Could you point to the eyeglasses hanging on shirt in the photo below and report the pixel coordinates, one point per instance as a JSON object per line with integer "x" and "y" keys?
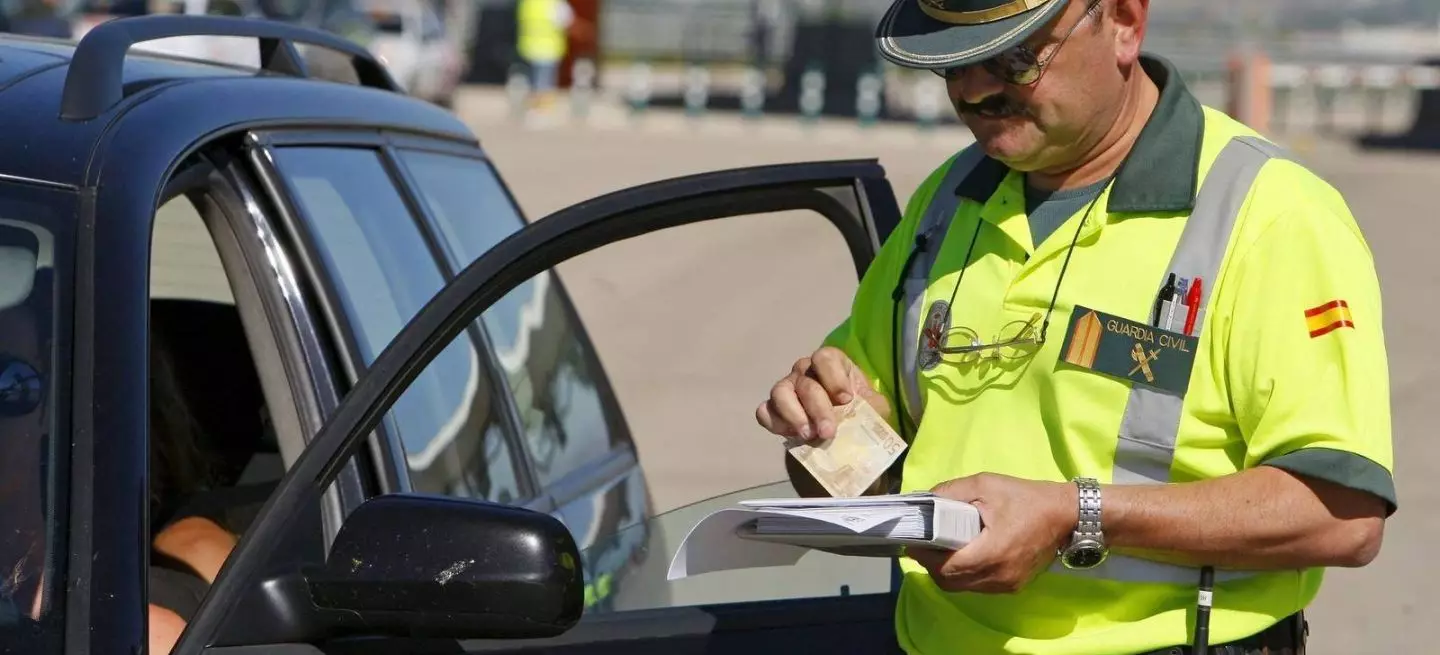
{"x": 1015, "y": 340}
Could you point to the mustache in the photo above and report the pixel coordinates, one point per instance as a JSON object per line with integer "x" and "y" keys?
{"x": 997, "y": 106}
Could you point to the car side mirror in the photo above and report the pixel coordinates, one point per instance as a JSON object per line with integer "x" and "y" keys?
{"x": 431, "y": 566}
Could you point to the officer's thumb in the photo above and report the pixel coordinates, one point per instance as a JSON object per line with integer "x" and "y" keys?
{"x": 877, "y": 400}
{"x": 963, "y": 489}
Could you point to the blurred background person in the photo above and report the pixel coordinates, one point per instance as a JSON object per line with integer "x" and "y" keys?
{"x": 544, "y": 27}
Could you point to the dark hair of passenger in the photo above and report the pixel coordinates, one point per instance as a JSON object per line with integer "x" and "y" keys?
{"x": 178, "y": 467}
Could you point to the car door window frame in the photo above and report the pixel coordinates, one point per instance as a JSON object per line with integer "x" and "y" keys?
{"x": 618, "y": 460}
{"x": 841, "y": 191}
{"x": 387, "y": 450}
{"x": 239, "y": 215}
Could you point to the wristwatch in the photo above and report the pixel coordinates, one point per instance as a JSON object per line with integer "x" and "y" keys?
{"x": 1087, "y": 548}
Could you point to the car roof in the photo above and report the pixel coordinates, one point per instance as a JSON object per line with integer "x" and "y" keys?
{"x": 168, "y": 103}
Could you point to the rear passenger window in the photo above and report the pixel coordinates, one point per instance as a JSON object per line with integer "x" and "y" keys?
{"x": 570, "y": 417}
{"x": 382, "y": 272}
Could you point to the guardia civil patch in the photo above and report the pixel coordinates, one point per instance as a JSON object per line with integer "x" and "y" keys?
{"x": 1130, "y": 350}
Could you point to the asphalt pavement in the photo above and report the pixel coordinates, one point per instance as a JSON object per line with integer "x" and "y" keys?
{"x": 694, "y": 324}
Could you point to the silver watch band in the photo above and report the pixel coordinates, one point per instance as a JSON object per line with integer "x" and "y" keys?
{"x": 1088, "y": 526}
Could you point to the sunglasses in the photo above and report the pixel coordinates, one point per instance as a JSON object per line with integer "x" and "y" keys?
{"x": 1019, "y": 65}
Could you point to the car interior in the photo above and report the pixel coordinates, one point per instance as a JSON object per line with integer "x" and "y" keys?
{"x": 224, "y": 355}
{"x": 206, "y": 312}
{"x": 194, "y": 314}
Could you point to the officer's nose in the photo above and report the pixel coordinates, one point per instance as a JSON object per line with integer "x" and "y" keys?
{"x": 973, "y": 84}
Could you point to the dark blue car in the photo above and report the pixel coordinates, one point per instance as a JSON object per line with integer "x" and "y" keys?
{"x": 377, "y": 382}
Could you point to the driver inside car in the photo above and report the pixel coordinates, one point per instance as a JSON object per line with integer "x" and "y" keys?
{"x": 187, "y": 547}
{"x": 23, "y": 424}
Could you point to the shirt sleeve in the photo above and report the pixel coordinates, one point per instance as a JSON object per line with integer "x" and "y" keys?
{"x": 179, "y": 591}
{"x": 1306, "y": 358}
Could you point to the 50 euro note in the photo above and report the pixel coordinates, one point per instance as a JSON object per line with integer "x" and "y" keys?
{"x": 863, "y": 447}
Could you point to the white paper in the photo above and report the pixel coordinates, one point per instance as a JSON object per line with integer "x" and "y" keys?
{"x": 715, "y": 545}
{"x": 712, "y": 545}
{"x": 918, "y": 497}
{"x": 855, "y": 520}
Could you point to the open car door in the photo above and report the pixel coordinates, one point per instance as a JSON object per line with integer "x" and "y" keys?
{"x": 480, "y": 577}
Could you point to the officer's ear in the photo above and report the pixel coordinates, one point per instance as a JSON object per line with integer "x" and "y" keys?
{"x": 1126, "y": 20}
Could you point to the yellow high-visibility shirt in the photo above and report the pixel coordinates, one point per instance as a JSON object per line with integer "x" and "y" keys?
{"x": 1289, "y": 370}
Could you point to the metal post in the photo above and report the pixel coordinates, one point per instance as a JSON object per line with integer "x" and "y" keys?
{"x": 812, "y": 92}
{"x": 1378, "y": 82}
{"x": 1331, "y": 78}
{"x": 1286, "y": 80}
{"x": 927, "y": 102}
{"x": 752, "y": 93}
{"x": 697, "y": 90}
{"x": 517, "y": 89}
{"x": 639, "y": 89}
{"x": 582, "y": 87}
{"x": 868, "y": 93}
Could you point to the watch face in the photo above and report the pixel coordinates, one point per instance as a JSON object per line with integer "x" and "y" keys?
{"x": 1084, "y": 555}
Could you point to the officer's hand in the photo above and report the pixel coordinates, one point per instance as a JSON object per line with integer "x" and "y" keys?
{"x": 1025, "y": 522}
{"x": 802, "y": 404}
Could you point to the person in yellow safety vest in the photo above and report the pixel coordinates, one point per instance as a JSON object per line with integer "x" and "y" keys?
{"x": 543, "y": 26}
{"x": 1139, "y": 337}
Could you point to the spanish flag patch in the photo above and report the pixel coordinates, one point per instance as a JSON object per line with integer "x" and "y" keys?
{"x": 1328, "y": 317}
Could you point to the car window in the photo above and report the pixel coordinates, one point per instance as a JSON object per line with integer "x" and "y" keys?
{"x": 224, "y": 8}
{"x": 382, "y": 272}
{"x": 184, "y": 262}
{"x": 647, "y": 550}
{"x": 431, "y": 28}
{"x": 570, "y": 419}
{"x": 34, "y": 256}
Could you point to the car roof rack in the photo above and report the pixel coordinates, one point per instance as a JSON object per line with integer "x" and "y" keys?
{"x": 95, "y": 80}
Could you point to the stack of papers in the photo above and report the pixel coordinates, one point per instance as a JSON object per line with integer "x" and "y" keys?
{"x": 778, "y": 532}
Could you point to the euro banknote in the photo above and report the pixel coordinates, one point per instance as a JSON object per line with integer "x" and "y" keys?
{"x": 863, "y": 447}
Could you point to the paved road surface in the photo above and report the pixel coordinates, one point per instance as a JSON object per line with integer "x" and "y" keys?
{"x": 696, "y": 324}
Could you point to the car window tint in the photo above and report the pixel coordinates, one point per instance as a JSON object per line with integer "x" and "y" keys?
{"x": 383, "y": 273}
{"x": 569, "y": 417}
{"x": 35, "y": 284}
{"x": 431, "y": 29}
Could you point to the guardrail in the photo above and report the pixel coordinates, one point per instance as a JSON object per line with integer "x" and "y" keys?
{"x": 1377, "y": 89}
{"x": 1323, "y": 97}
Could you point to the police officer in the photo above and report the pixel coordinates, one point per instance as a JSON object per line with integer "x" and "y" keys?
{"x": 1145, "y": 342}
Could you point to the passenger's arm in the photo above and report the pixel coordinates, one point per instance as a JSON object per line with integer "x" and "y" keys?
{"x": 198, "y": 542}
{"x": 174, "y": 597}
{"x": 165, "y": 628}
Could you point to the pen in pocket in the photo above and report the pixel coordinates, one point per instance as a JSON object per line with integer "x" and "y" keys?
{"x": 1193, "y": 300}
{"x": 1177, "y": 293}
{"x": 1161, "y": 301}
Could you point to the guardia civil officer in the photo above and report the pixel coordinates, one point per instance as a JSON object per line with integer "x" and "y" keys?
{"x": 1145, "y": 342}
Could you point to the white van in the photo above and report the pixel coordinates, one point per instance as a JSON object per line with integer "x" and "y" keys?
{"x": 408, "y": 36}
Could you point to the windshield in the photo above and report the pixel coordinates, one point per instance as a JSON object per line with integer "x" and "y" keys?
{"x": 628, "y": 571}
{"x": 34, "y": 252}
